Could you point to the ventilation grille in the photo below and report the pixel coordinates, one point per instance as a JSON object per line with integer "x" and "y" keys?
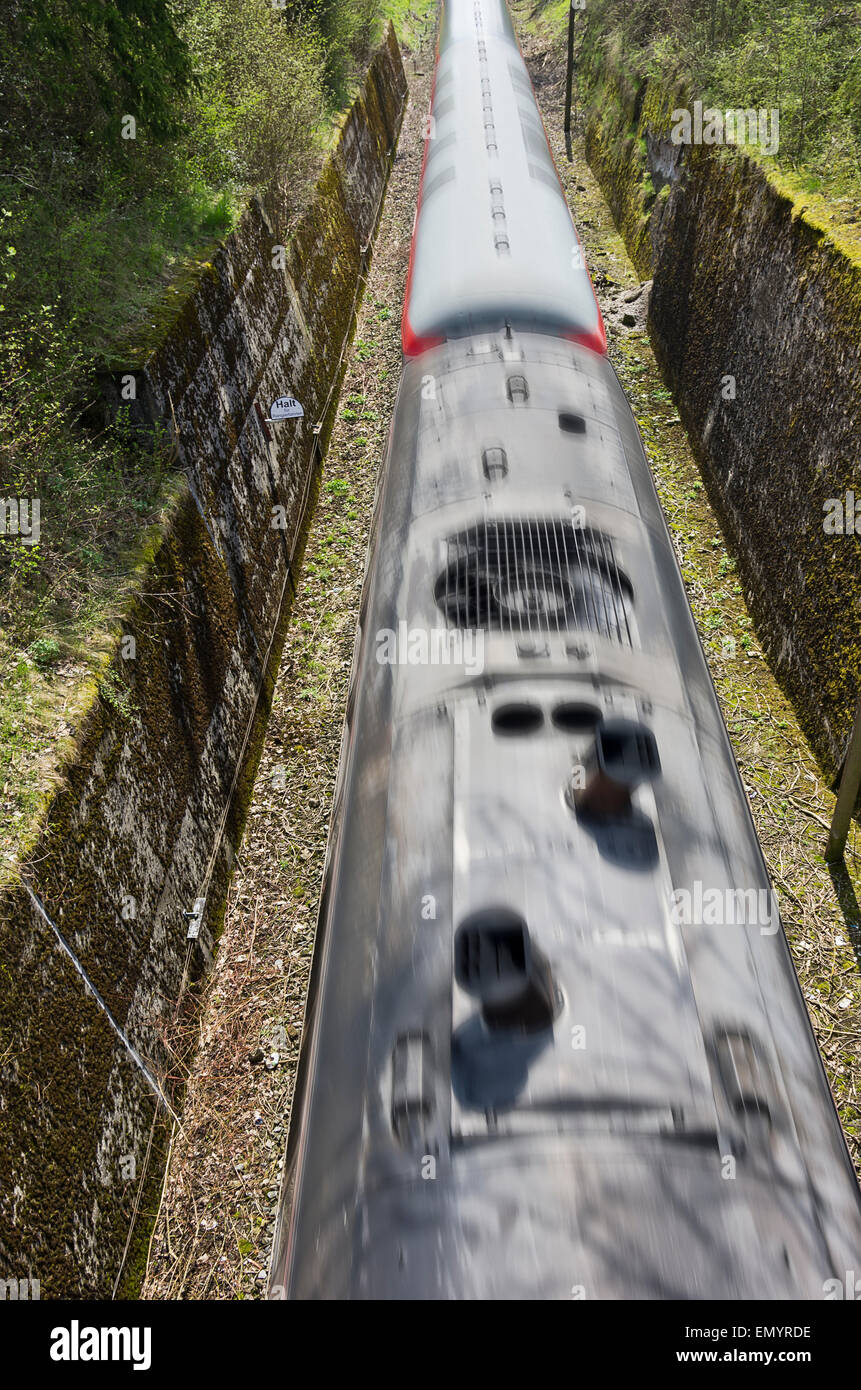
{"x": 515, "y": 575}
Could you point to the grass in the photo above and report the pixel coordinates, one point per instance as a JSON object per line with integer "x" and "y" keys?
{"x": 90, "y": 277}
{"x": 413, "y": 20}
{"x": 811, "y": 73}
{"x": 107, "y": 263}
{"x": 55, "y": 638}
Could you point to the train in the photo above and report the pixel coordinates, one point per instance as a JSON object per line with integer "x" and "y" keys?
{"x": 555, "y": 1046}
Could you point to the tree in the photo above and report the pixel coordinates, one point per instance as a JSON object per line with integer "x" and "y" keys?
{"x": 73, "y": 68}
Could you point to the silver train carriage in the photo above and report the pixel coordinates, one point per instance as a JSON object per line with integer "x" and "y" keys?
{"x": 494, "y": 239}
{"x": 555, "y": 1045}
{"x": 534, "y": 1063}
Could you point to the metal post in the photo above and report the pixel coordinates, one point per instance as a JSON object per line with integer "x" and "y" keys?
{"x": 847, "y": 793}
{"x": 569, "y": 77}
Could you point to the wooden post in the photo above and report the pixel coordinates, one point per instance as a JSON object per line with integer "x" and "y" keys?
{"x": 569, "y": 77}
{"x": 847, "y": 793}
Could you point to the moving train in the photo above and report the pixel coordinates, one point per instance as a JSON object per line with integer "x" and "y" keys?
{"x": 555, "y": 1046}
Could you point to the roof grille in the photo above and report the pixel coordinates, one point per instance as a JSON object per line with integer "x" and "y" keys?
{"x": 533, "y": 575}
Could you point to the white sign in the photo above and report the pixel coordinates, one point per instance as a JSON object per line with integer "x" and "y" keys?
{"x": 285, "y": 408}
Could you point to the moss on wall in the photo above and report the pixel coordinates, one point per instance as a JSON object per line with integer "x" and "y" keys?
{"x": 153, "y": 799}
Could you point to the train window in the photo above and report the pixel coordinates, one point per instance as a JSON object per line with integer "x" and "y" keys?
{"x": 545, "y": 176}
{"x": 441, "y": 143}
{"x": 517, "y": 718}
{"x": 571, "y": 424}
{"x": 574, "y": 717}
{"x": 518, "y": 389}
{"x": 443, "y": 177}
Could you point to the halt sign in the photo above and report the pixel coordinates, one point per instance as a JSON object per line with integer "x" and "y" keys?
{"x": 286, "y": 408}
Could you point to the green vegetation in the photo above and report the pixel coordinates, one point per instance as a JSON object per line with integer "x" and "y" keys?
{"x": 133, "y": 133}
{"x": 131, "y": 136}
{"x": 801, "y": 57}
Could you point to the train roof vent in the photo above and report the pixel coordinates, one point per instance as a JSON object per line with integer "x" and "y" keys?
{"x": 494, "y": 461}
{"x": 496, "y": 961}
{"x": 744, "y": 1074}
{"x": 517, "y": 717}
{"x": 623, "y": 755}
{"x": 412, "y": 1084}
{"x": 517, "y": 575}
{"x": 570, "y": 423}
{"x": 518, "y": 390}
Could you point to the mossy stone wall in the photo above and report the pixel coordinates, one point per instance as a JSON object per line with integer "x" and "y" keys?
{"x": 748, "y": 285}
{"x": 153, "y": 800}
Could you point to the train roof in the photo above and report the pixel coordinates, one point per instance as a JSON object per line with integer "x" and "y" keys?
{"x": 646, "y": 1115}
{"x": 494, "y": 239}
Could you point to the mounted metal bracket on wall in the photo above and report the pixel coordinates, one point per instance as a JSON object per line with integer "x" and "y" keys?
{"x": 194, "y": 919}
{"x": 847, "y": 794}
{"x": 262, "y": 418}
